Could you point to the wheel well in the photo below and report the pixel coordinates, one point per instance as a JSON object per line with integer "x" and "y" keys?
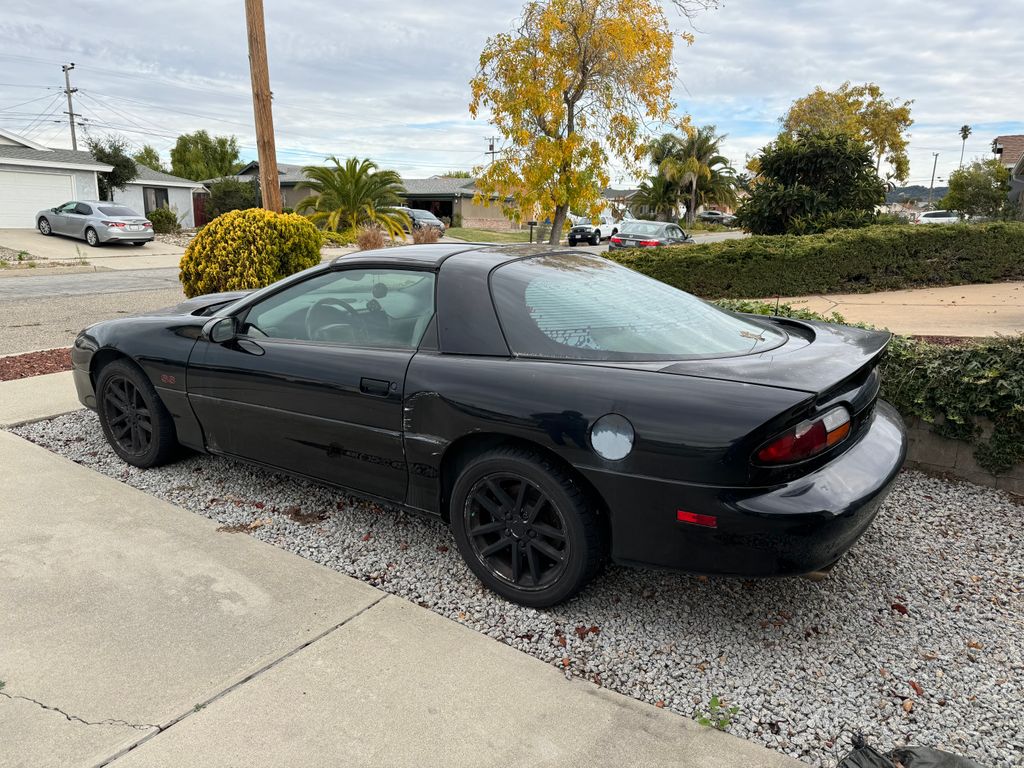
{"x": 468, "y": 446}
{"x": 102, "y": 358}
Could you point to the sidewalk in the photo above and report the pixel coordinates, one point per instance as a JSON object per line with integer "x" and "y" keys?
{"x": 960, "y": 310}
{"x": 138, "y": 634}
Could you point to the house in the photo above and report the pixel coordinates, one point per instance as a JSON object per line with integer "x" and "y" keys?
{"x": 155, "y": 189}
{"x": 452, "y": 198}
{"x": 1008, "y": 150}
{"x": 291, "y": 176}
{"x": 34, "y": 177}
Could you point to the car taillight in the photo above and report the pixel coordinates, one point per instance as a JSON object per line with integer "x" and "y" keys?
{"x": 649, "y": 242}
{"x": 807, "y": 439}
{"x": 118, "y": 224}
{"x": 147, "y": 223}
{"x": 616, "y": 240}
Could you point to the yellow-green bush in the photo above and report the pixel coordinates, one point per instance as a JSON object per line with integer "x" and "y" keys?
{"x": 248, "y": 249}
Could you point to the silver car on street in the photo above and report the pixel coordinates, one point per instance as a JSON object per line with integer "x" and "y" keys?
{"x": 96, "y": 222}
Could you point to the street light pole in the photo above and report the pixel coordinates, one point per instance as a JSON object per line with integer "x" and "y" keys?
{"x": 270, "y": 181}
{"x": 931, "y": 186}
{"x": 71, "y": 110}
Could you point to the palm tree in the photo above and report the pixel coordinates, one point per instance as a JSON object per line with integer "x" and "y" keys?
{"x": 352, "y": 195}
{"x": 659, "y": 197}
{"x": 697, "y": 162}
{"x": 965, "y": 132}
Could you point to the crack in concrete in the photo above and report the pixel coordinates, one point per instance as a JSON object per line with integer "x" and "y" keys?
{"x": 76, "y": 719}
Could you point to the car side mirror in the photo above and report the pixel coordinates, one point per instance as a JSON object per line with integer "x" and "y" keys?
{"x": 221, "y": 329}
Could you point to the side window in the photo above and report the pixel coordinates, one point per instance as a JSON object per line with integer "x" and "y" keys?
{"x": 83, "y": 209}
{"x": 68, "y": 207}
{"x": 675, "y": 232}
{"x": 372, "y": 307}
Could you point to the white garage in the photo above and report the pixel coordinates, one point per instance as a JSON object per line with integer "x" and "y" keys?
{"x": 22, "y": 193}
{"x": 34, "y": 177}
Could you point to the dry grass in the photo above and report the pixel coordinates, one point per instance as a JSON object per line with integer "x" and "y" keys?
{"x": 425, "y": 235}
{"x": 371, "y": 238}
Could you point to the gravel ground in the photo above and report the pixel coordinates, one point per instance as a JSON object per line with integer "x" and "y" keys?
{"x": 34, "y": 363}
{"x": 180, "y": 239}
{"x": 914, "y": 639}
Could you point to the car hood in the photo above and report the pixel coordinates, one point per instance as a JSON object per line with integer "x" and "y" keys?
{"x": 206, "y": 304}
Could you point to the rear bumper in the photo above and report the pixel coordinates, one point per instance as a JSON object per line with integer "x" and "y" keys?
{"x": 107, "y": 235}
{"x": 798, "y": 527}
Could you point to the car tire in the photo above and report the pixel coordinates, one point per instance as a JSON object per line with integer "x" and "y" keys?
{"x": 536, "y": 561}
{"x": 43, "y": 225}
{"x": 596, "y": 239}
{"x": 136, "y": 243}
{"x": 92, "y": 238}
{"x": 572, "y": 243}
{"x": 125, "y": 399}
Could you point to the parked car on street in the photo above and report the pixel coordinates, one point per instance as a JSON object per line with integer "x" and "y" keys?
{"x": 422, "y": 219}
{"x": 555, "y": 409}
{"x": 717, "y": 217}
{"x": 585, "y": 230}
{"x": 940, "y": 217}
{"x": 96, "y": 222}
{"x": 637, "y": 233}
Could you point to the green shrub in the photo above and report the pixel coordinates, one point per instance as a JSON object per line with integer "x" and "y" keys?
{"x": 952, "y": 387}
{"x": 841, "y": 261}
{"x": 233, "y": 195}
{"x": 248, "y": 249}
{"x": 337, "y": 239}
{"x": 165, "y": 221}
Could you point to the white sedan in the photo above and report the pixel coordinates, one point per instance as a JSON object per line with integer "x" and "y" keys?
{"x": 940, "y": 217}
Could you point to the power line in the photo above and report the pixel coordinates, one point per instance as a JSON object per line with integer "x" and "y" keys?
{"x": 23, "y": 103}
{"x": 66, "y": 68}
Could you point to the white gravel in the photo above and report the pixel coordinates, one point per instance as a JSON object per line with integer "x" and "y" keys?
{"x": 916, "y": 638}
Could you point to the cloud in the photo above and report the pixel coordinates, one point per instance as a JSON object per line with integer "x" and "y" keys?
{"x": 391, "y": 82}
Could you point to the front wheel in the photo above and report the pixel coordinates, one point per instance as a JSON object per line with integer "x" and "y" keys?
{"x": 92, "y": 238}
{"x": 596, "y": 239}
{"x": 134, "y": 420}
{"x": 44, "y": 227}
{"x": 525, "y": 528}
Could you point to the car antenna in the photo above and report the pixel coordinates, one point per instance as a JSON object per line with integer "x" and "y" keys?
{"x": 777, "y": 299}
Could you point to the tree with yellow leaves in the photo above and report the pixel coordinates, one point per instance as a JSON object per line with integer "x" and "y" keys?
{"x": 858, "y": 111}
{"x": 568, "y": 88}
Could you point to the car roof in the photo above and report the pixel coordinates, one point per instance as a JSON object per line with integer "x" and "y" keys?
{"x": 426, "y": 255}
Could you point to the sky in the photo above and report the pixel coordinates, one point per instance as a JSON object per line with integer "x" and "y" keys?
{"x": 391, "y": 81}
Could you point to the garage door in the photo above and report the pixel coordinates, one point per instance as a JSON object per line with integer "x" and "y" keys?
{"x": 23, "y": 194}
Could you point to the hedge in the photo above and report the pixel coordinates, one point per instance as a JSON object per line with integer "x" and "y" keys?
{"x": 864, "y": 260}
{"x": 952, "y": 387}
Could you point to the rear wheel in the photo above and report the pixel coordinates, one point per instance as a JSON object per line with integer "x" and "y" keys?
{"x": 138, "y": 243}
{"x": 44, "y": 227}
{"x": 596, "y": 238}
{"x": 135, "y": 422}
{"x": 525, "y": 528}
{"x": 92, "y": 238}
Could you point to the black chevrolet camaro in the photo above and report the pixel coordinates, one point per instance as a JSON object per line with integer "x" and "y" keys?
{"x": 556, "y": 409}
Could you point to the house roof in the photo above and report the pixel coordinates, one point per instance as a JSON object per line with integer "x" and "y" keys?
{"x": 439, "y": 186}
{"x": 1009, "y": 148}
{"x": 289, "y": 173}
{"x": 12, "y": 154}
{"x": 149, "y": 176}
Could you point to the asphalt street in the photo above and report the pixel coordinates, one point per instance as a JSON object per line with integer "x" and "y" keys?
{"x": 88, "y": 283}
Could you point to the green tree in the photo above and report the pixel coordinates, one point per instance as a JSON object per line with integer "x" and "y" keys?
{"x": 233, "y": 195}
{"x": 965, "y": 133}
{"x": 113, "y": 150}
{"x": 568, "y": 88}
{"x": 150, "y": 158}
{"x": 812, "y": 183}
{"x": 199, "y": 156}
{"x": 857, "y": 110}
{"x": 980, "y": 189}
{"x": 693, "y": 166}
{"x": 456, "y": 175}
{"x": 352, "y": 195}
{"x": 657, "y": 197}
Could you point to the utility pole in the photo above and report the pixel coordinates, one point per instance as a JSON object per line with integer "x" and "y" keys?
{"x": 491, "y": 150}
{"x": 71, "y": 110}
{"x": 931, "y": 186}
{"x": 270, "y": 182}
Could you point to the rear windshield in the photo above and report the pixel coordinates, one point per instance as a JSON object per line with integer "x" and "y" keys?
{"x": 116, "y": 210}
{"x": 583, "y": 307}
{"x": 418, "y": 214}
{"x": 641, "y": 228}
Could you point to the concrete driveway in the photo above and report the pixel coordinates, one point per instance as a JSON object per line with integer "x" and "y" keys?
{"x": 61, "y": 248}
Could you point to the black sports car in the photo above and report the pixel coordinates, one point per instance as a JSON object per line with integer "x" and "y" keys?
{"x": 555, "y": 408}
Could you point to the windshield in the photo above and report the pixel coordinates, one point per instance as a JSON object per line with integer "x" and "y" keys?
{"x": 116, "y": 210}
{"x": 418, "y": 214}
{"x": 583, "y": 307}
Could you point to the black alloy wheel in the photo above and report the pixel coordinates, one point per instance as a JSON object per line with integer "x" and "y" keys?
{"x": 134, "y": 420}
{"x": 525, "y": 528}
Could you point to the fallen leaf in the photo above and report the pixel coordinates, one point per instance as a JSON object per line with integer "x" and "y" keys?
{"x": 565, "y": 661}
{"x": 917, "y": 688}
{"x": 260, "y": 523}
{"x": 561, "y": 640}
{"x": 908, "y": 705}
{"x": 367, "y": 536}
{"x": 259, "y": 505}
{"x": 900, "y": 608}
{"x": 660, "y": 704}
{"x": 442, "y": 548}
{"x": 975, "y": 644}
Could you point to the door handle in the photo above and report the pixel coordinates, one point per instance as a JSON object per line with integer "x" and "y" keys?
{"x": 374, "y": 386}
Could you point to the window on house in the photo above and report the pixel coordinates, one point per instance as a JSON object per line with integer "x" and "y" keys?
{"x": 153, "y": 198}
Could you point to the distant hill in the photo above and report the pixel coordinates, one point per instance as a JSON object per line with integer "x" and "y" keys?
{"x": 914, "y": 192}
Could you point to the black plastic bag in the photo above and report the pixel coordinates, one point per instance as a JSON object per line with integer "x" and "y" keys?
{"x": 864, "y": 756}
